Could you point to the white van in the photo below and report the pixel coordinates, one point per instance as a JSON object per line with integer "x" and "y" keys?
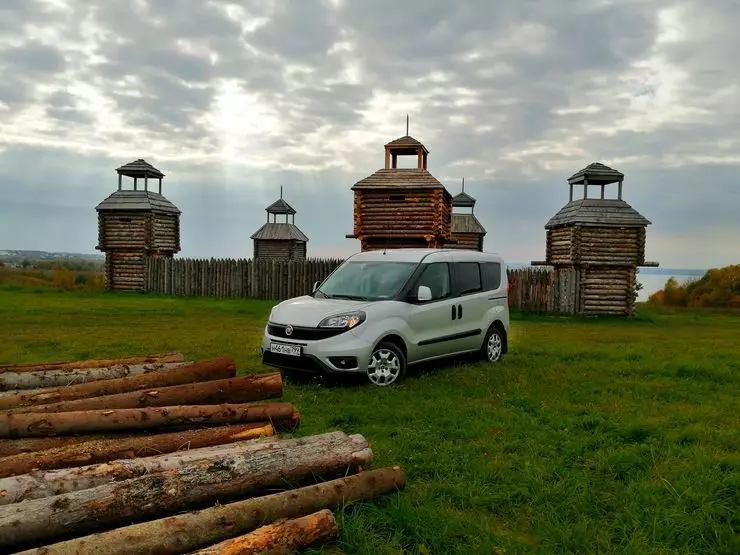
{"x": 383, "y": 310}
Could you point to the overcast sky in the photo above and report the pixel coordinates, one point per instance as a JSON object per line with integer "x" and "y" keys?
{"x": 233, "y": 99}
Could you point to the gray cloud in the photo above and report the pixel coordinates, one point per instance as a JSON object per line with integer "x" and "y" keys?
{"x": 34, "y": 58}
{"x": 230, "y": 101}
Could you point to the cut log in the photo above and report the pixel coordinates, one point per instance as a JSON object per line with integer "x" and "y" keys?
{"x": 214, "y": 369}
{"x": 75, "y": 422}
{"x": 64, "y": 378}
{"x": 104, "y": 450}
{"x": 92, "y": 363}
{"x": 186, "y": 532}
{"x": 283, "y": 537}
{"x": 10, "y": 447}
{"x": 46, "y": 483}
{"x": 245, "y": 389}
{"x": 200, "y": 483}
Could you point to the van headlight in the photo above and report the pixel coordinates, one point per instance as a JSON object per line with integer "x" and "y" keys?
{"x": 348, "y": 320}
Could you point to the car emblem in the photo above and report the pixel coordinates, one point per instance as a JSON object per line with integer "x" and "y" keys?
{"x": 289, "y": 330}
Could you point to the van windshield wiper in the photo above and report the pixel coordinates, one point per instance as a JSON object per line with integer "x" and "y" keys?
{"x": 348, "y": 297}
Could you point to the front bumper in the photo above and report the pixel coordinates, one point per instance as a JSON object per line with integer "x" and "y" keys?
{"x": 346, "y": 353}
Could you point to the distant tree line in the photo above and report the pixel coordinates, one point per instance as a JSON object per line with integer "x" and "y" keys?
{"x": 71, "y": 264}
{"x": 718, "y": 287}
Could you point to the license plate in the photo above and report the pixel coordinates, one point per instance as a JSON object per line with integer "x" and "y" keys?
{"x": 283, "y": 349}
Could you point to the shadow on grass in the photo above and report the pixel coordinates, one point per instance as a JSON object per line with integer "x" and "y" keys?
{"x": 348, "y": 381}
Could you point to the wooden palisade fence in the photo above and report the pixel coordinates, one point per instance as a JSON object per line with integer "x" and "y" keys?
{"x": 530, "y": 289}
{"x": 258, "y": 279}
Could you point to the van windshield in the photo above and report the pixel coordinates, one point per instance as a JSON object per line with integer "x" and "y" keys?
{"x": 366, "y": 281}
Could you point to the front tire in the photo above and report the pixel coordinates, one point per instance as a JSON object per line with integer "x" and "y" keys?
{"x": 387, "y": 364}
{"x": 493, "y": 345}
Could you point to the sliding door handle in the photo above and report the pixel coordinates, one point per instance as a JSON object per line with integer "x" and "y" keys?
{"x": 454, "y": 312}
{"x": 459, "y": 311}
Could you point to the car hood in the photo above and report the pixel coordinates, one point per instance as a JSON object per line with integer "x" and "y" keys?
{"x": 309, "y": 311}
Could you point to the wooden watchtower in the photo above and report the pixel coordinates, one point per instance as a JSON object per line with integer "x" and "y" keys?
{"x": 467, "y": 231}
{"x": 134, "y": 224}
{"x": 279, "y": 240}
{"x": 595, "y": 246}
{"x": 402, "y": 207}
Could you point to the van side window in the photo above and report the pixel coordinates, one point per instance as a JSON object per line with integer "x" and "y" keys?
{"x": 491, "y": 274}
{"x": 436, "y": 276}
{"x": 467, "y": 277}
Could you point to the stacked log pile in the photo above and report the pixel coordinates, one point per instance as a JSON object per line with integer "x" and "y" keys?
{"x": 161, "y": 455}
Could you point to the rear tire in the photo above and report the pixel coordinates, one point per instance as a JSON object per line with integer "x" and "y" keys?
{"x": 493, "y": 345}
{"x": 387, "y": 364}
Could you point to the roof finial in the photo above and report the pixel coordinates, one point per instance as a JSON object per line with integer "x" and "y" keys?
{"x": 281, "y": 191}
{"x": 407, "y": 125}
{"x": 463, "y": 185}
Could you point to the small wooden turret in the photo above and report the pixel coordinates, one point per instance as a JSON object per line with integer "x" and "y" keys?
{"x": 134, "y": 224}
{"x": 467, "y": 231}
{"x": 596, "y": 246}
{"x": 402, "y": 207}
{"x": 279, "y": 240}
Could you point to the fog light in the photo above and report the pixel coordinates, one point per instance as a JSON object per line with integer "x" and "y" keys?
{"x": 345, "y": 363}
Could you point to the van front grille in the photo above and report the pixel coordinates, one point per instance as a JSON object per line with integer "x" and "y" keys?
{"x": 302, "y": 333}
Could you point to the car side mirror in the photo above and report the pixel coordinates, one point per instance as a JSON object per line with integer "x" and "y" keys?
{"x": 315, "y": 286}
{"x": 424, "y": 294}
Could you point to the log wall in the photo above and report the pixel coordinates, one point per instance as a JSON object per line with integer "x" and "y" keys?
{"x": 124, "y": 270}
{"x": 279, "y": 250}
{"x": 165, "y": 233}
{"x": 607, "y": 290}
{"x": 602, "y": 263}
{"x": 123, "y": 231}
{"x": 129, "y": 239}
{"x": 559, "y": 245}
{"x": 596, "y": 245}
{"x": 404, "y": 214}
{"x": 390, "y": 242}
{"x": 612, "y": 245}
{"x": 467, "y": 241}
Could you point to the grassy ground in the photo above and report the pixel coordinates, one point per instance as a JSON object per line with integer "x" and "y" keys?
{"x": 590, "y": 437}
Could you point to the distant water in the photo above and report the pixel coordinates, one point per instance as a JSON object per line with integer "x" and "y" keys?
{"x": 652, "y": 279}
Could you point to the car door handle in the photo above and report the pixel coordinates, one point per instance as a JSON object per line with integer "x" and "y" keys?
{"x": 459, "y": 311}
{"x": 454, "y": 312}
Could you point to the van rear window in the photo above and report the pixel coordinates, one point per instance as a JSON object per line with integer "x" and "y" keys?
{"x": 468, "y": 278}
{"x": 491, "y": 275}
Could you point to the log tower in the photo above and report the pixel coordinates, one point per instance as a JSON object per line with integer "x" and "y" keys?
{"x": 134, "y": 224}
{"x": 467, "y": 231}
{"x": 279, "y": 240}
{"x": 402, "y": 207}
{"x": 595, "y": 246}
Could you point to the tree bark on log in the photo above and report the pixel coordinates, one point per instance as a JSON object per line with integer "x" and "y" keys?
{"x": 245, "y": 389}
{"x": 197, "y": 484}
{"x": 64, "y": 378}
{"x": 10, "y": 447}
{"x": 92, "y": 363}
{"x": 214, "y": 369}
{"x": 186, "y": 532}
{"x": 283, "y": 537}
{"x": 38, "y": 484}
{"x": 108, "y": 449}
{"x": 75, "y": 422}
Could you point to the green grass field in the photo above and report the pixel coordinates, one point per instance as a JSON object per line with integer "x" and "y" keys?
{"x": 591, "y": 436}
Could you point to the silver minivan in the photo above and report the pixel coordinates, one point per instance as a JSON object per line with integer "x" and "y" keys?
{"x": 383, "y": 310}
